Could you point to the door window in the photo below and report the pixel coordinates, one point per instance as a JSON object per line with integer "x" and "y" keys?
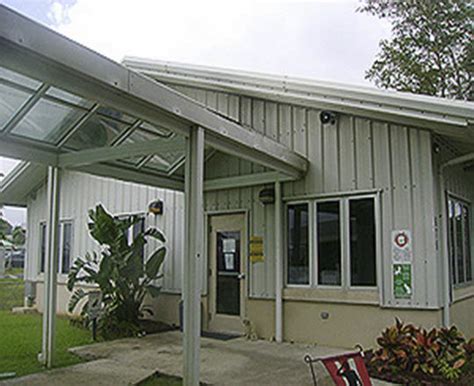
{"x": 228, "y": 271}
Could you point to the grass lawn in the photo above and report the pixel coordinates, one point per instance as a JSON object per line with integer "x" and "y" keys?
{"x": 11, "y": 293}
{"x": 20, "y": 342}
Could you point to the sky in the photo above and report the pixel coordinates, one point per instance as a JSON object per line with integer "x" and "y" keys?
{"x": 325, "y": 40}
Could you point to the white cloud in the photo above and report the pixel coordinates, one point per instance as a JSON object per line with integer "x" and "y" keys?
{"x": 319, "y": 39}
{"x": 58, "y": 13}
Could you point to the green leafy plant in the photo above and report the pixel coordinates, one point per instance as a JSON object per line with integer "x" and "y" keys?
{"x": 119, "y": 272}
{"x": 407, "y": 349}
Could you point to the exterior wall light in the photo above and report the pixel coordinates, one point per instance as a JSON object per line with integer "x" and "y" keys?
{"x": 267, "y": 196}
{"x": 327, "y": 117}
{"x": 156, "y": 207}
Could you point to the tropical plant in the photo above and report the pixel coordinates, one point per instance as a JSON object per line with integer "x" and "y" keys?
{"x": 407, "y": 349}
{"x": 18, "y": 235}
{"x": 119, "y": 272}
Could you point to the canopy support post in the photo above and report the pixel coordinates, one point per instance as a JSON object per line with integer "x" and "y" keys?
{"x": 51, "y": 267}
{"x": 278, "y": 264}
{"x": 194, "y": 236}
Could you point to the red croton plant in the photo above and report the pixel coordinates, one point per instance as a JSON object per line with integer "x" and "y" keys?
{"x": 408, "y": 353}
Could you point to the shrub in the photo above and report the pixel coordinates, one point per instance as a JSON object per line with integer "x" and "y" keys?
{"x": 119, "y": 272}
{"x": 407, "y": 349}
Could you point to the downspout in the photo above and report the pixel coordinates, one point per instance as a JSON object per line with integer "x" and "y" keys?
{"x": 278, "y": 264}
{"x": 444, "y": 235}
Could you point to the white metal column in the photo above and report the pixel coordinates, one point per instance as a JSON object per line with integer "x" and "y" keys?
{"x": 51, "y": 267}
{"x": 193, "y": 252}
{"x": 278, "y": 264}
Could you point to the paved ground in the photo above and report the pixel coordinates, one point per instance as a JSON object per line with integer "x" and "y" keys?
{"x": 233, "y": 362}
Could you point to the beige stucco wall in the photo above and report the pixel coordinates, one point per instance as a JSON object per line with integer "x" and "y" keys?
{"x": 346, "y": 326}
{"x": 462, "y": 310}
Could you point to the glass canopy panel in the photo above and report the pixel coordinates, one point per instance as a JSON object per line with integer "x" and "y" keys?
{"x": 69, "y": 98}
{"x": 11, "y": 99}
{"x": 19, "y": 79}
{"x": 165, "y": 161}
{"x": 97, "y": 131}
{"x": 147, "y": 132}
{"x": 47, "y": 121}
{"x": 108, "y": 112}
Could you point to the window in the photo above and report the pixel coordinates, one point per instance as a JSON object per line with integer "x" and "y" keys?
{"x": 42, "y": 246}
{"x": 460, "y": 241}
{"x": 328, "y": 218}
{"x": 133, "y": 231}
{"x": 298, "y": 245}
{"x": 65, "y": 255}
{"x": 362, "y": 242}
{"x": 344, "y": 239}
{"x": 65, "y": 246}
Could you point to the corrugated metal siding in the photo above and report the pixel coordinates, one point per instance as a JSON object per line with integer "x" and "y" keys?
{"x": 354, "y": 155}
{"x": 81, "y": 192}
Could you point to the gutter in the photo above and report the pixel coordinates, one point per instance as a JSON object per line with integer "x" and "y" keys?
{"x": 444, "y": 235}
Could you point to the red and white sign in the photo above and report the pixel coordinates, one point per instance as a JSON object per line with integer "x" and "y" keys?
{"x": 401, "y": 239}
{"x": 401, "y": 246}
{"x": 348, "y": 370}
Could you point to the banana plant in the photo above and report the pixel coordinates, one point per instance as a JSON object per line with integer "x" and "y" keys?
{"x": 118, "y": 271}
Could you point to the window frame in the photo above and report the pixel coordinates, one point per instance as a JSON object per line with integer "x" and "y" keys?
{"x": 60, "y": 246}
{"x": 314, "y": 237}
{"x": 143, "y": 216}
{"x": 454, "y": 275}
{"x": 343, "y": 200}
{"x": 310, "y": 244}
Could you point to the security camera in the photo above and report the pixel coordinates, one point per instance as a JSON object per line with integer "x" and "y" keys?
{"x": 327, "y": 117}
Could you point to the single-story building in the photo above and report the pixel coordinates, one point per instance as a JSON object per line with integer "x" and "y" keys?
{"x": 387, "y": 196}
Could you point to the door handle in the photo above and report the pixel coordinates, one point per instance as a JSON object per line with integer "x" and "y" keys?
{"x": 241, "y": 276}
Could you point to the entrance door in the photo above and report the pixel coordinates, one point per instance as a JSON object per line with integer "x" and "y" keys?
{"x": 227, "y": 261}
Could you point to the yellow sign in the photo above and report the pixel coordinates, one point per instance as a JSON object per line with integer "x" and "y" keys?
{"x": 256, "y": 249}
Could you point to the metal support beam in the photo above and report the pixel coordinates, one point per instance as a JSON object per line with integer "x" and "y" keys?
{"x": 278, "y": 264}
{"x": 27, "y": 151}
{"x": 255, "y": 147}
{"x": 51, "y": 268}
{"x": 132, "y": 175}
{"x": 102, "y": 154}
{"x": 193, "y": 254}
{"x": 244, "y": 181}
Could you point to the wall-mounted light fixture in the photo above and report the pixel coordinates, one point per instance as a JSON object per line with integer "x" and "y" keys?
{"x": 327, "y": 117}
{"x": 267, "y": 196}
{"x": 156, "y": 207}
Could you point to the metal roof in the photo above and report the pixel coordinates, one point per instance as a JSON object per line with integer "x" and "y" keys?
{"x": 451, "y": 118}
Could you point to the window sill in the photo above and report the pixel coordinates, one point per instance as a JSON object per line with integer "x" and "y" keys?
{"x": 336, "y": 295}
{"x": 463, "y": 292}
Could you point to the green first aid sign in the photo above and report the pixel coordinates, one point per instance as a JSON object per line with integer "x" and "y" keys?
{"x": 402, "y": 285}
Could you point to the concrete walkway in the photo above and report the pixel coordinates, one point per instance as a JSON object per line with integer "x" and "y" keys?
{"x": 232, "y": 362}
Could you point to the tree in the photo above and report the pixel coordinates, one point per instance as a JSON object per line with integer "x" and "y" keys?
{"x": 119, "y": 271}
{"x": 431, "y": 50}
{"x": 5, "y": 227}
